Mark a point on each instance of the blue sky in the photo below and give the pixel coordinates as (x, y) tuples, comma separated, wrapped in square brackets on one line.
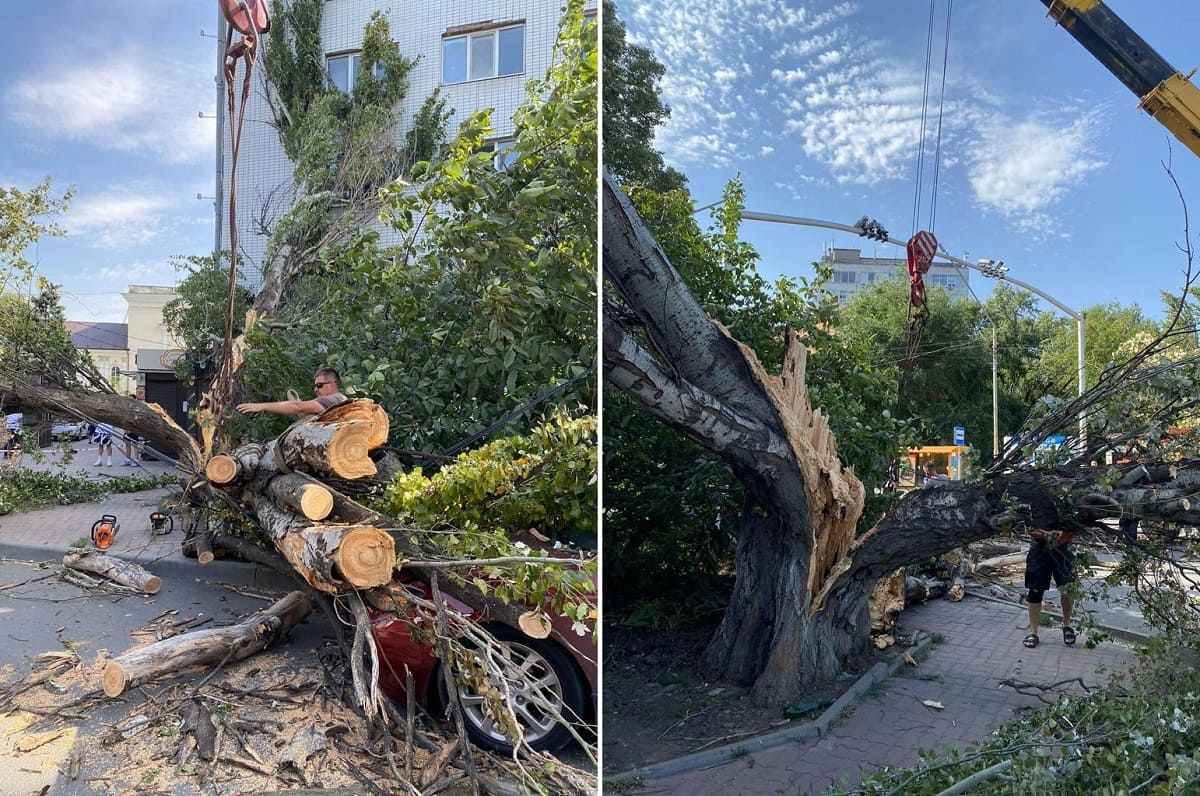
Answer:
[(105, 97), (1045, 162)]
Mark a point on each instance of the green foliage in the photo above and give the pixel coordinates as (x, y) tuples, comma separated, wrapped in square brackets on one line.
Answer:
[(23, 489), (34, 341), (294, 62), (197, 316), (22, 225), (543, 482), (1139, 732), (490, 301)]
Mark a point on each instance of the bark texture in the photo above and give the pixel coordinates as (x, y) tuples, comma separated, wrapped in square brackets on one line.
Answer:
[(799, 609), (202, 647), (117, 570)]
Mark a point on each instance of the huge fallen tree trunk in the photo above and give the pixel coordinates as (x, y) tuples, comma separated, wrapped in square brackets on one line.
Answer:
[(799, 608), (147, 419), (205, 646)]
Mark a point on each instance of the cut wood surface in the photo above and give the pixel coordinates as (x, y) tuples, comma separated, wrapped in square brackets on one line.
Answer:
[(339, 448), (338, 558), (117, 570), (331, 558), (241, 465), (214, 645), (362, 409), (301, 495)]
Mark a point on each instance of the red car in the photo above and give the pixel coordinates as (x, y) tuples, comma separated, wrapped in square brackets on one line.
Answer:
[(561, 667)]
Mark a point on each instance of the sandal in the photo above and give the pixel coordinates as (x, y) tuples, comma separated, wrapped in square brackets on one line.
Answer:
[(1068, 635), (1031, 640)]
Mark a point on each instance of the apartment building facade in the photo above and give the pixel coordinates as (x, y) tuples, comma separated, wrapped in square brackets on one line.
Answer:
[(853, 272), (481, 53)]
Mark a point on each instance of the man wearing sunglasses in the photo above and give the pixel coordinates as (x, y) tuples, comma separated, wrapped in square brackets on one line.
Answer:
[(327, 385)]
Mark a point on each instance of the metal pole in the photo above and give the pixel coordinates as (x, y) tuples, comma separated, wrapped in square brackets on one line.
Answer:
[(995, 395), (218, 201), (1082, 386)]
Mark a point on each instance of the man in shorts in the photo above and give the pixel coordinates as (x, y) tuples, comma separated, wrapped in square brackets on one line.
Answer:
[(102, 436), (133, 441), (1049, 557)]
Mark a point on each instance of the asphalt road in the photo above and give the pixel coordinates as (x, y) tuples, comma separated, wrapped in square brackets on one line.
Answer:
[(42, 614)]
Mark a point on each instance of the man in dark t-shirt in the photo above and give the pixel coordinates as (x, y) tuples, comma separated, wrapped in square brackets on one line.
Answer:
[(327, 385)]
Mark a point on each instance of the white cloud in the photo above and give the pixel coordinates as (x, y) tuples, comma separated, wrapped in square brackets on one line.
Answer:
[(766, 150), (1021, 168), (124, 216), (128, 102)]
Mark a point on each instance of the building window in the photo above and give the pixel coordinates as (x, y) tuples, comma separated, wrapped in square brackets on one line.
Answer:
[(478, 56), (343, 70), (844, 277), (505, 154), (945, 280)]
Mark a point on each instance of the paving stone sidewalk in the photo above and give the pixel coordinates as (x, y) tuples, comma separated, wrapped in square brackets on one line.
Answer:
[(45, 534), (980, 648)]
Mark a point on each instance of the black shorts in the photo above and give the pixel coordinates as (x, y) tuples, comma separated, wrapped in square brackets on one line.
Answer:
[(130, 436), (1042, 564)]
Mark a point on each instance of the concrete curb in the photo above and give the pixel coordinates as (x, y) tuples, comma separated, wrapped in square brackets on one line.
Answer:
[(175, 565), (818, 727)]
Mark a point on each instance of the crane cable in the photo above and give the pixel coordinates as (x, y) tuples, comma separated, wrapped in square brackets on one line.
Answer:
[(918, 310)]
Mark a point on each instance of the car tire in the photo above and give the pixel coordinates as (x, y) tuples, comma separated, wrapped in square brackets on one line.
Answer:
[(561, 683)]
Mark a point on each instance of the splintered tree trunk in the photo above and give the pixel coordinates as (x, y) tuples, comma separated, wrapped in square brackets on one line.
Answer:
[(205, 646)]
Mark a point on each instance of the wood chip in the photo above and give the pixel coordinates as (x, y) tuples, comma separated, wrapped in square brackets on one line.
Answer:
[(929, 703)]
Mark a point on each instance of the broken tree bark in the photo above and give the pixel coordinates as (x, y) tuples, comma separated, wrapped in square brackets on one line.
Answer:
[(117, 570), (234, 643)]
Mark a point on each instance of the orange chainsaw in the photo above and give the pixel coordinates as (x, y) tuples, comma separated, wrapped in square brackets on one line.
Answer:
[(104, 531)]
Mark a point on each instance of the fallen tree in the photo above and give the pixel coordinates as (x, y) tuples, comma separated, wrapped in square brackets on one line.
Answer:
[(799, 608)]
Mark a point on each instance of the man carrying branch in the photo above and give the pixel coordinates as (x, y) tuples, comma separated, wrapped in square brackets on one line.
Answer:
[(327, 385)]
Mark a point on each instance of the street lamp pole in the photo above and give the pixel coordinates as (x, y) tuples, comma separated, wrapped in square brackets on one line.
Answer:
[(985, 267)]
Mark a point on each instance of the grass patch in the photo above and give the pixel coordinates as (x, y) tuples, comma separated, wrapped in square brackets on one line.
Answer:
[(25, 490)]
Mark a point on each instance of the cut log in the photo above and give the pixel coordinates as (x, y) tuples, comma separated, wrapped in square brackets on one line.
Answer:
[(301, 495), (338, 448), (337, 558), (205, 646), (204, 547), (362, 409), (117, 570), (331, 558), (919, 590), (1001, 562), (241, 465)]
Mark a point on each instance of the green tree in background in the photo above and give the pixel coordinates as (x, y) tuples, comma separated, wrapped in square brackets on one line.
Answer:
[(489, 301)]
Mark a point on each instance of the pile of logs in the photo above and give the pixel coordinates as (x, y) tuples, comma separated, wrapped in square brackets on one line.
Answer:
[(280, 481)]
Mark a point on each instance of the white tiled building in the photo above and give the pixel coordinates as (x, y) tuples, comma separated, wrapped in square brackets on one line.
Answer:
[(481, 52), (852, 272)]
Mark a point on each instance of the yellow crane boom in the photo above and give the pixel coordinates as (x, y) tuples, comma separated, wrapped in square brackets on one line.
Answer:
[(1166, 94)]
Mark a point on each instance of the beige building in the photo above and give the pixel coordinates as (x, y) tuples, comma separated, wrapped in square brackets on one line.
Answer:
[(139, 352)]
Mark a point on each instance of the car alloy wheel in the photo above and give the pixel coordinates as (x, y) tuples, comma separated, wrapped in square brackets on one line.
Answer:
[(542, 682)]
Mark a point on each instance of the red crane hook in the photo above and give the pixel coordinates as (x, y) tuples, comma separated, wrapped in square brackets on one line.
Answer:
[(248, 17)]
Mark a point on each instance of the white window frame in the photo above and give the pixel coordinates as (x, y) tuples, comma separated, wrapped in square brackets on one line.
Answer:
[(353, 60), (494, 67), (503, 153)]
